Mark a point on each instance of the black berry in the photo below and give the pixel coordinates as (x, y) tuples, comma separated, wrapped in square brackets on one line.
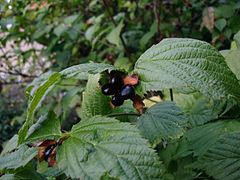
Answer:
[(117, 100), (108, 89), (48, 152), (116, 78), (127, 92)]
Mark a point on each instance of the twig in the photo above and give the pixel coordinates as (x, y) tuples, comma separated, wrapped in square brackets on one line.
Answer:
[(171, 94), (123, 114), (115, 24), (17, 73)]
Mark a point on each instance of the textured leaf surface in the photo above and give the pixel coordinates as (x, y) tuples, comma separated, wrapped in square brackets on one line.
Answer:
[(180, 63), (17, 158), (99, 145), (94, 102), (81, 71), (47, 127), (222, 161), (35, 102), (204, 137), (162, 121)]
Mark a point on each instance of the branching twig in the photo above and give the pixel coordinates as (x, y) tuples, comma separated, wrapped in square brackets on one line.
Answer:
[(17, 73)]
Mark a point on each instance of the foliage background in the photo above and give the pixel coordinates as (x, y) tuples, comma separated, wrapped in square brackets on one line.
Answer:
[(43, 36)]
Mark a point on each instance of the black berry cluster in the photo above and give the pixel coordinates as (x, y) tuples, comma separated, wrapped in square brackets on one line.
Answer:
[(117, 88)]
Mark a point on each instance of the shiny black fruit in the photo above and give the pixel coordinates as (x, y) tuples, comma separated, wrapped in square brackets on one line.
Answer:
[(108, 89), (48, 152), (127, 92), (117, 100), (116, 78)]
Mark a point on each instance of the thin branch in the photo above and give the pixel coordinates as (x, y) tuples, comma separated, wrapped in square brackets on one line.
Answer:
[(123, 114), (17, 73), (171, 94), (115, 24)]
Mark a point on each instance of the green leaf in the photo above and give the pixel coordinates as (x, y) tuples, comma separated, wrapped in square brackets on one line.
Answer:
[(17, 158), (164, 120), (10, 145), (70, 19), (237, 39), (222, 161), (197, 108), (47, 127), (103, 145), (232, 60), (220, 24), (204, 137), (60, 29), (114, 36), (94, 102), (181, 63), (81, 71), (39, 94), (28, 172)]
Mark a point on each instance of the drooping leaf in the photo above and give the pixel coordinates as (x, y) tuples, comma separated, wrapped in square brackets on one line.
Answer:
[(180, 63), (35, 102), (222, 161), (94, 102), (47, 127), (17, 158), (102, 145), (82, 70), (164, 120), (204, 137)]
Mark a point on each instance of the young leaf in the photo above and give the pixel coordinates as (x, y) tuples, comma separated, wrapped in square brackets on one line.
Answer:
[(164, 120), (17, 158), (35, 102), (81, 71), (102, 145), (222, 161), (180, 63), (94, 102), (47, 127)]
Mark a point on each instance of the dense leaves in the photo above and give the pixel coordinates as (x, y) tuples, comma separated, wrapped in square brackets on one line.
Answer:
[(116, 146)]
